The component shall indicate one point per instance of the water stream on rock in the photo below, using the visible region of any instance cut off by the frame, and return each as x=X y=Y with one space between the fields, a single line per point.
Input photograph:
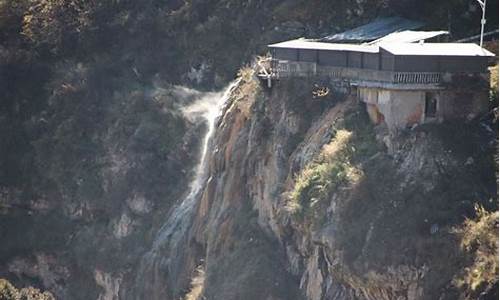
x=159 y=263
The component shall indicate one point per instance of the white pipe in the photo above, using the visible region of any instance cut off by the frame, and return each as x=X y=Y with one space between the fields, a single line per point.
x=483 y=20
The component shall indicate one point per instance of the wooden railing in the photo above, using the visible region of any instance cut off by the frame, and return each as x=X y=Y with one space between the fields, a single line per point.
x=286 y=69
x=417 y=77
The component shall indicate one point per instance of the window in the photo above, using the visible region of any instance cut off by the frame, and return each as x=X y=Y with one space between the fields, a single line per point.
x=430 y=105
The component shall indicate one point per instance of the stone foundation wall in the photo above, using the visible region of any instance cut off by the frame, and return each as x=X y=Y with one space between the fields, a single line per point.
x=402 y=108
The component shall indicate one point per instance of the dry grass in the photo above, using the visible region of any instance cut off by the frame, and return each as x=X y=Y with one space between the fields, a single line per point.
x=494 y=78
x=197 y=285
x=331 y=168
x=9 y=292
x=337 y=144
x=247 y=90
x=246 y=73
x=479 y=238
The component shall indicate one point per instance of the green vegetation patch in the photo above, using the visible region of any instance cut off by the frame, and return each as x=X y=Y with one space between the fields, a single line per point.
x=317 y=180
x=336 y=165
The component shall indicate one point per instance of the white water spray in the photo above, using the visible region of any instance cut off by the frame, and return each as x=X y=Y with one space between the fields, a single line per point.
x=209 y=107
x=167 y=243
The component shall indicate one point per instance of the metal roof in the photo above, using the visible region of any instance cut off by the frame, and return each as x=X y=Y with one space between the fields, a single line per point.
x=306 y=44
x=396 y=48
x=407 y=36
x=374 y=30
x=437 y=49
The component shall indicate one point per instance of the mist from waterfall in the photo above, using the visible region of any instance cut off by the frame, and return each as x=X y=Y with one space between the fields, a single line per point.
x=159 y=260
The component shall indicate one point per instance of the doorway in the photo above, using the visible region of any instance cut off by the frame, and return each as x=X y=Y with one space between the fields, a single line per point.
x=431 y=101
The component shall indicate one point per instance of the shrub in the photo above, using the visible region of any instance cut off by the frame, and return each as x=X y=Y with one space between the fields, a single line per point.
x=494 y=86
x=31 y=293
x=479 y=239
x=50 y=22
x=318 y=179
x=337 y=164
x=9 y=292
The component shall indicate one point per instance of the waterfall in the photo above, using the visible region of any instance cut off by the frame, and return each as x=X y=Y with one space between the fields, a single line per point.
x=208 y=107
x=165 y=247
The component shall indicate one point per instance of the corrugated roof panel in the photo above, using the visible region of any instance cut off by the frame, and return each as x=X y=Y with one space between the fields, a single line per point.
x=408 y=36
x=374 y=30
x=305 y=44
x=437 y=49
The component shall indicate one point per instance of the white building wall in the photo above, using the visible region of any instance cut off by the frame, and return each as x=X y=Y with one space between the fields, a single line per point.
x=369 y=95
x=404 y=108
x=398 y=109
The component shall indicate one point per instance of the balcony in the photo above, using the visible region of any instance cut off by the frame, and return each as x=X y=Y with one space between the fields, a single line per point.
x=361 y=77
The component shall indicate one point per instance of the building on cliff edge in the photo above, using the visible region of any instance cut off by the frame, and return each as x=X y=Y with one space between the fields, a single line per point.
x=402 y=80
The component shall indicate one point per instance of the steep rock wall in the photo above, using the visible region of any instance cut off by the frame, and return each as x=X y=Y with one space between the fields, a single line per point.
x=383 y=230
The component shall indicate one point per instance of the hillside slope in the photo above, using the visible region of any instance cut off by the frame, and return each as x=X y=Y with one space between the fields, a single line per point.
x=311 y=185
x=96 y=151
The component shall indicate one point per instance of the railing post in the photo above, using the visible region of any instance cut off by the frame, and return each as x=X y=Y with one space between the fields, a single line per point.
x=301 y=69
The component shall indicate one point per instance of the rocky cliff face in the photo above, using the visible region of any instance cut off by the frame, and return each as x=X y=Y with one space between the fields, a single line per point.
x=96 y=153
x=307 y=200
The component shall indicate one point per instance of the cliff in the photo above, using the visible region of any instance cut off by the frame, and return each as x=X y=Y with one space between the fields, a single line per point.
x=97 y=153
x=307 y=200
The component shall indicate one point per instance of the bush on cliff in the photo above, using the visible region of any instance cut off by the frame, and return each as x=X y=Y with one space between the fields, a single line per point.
x=337 y=164
x=320 y=177
x=9 y=292
x=479 y=240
